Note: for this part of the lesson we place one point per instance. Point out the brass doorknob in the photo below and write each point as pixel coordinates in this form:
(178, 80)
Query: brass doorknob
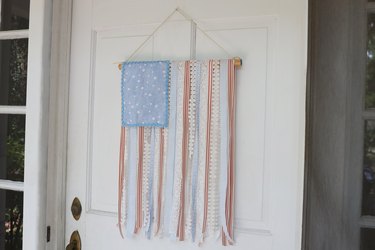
(75, 242)
(76, 208)
(72, 246)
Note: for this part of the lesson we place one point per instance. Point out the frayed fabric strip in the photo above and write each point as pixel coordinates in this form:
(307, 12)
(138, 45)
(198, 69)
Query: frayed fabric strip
(130, 227)
(150, 187)
(223, 144)
(171, 149)
(121, 181)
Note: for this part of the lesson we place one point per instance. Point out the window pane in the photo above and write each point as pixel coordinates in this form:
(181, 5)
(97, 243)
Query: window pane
(367, 239)
(14, 14)
(13, 71)
(370, 74)
(12, 146)
(11, 219)
(368, 189)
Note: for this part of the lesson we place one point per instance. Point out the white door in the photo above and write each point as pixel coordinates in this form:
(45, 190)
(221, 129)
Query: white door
(270, 37)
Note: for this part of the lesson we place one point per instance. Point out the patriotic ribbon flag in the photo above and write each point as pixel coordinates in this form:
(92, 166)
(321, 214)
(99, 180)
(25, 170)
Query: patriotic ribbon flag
(177, 149)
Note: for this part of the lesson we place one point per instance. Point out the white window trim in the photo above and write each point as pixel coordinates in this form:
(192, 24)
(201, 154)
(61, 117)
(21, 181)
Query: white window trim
(14, 110)
(12, 185)
(46, 123)
(34, 230)
(36, 111)
(14, 34)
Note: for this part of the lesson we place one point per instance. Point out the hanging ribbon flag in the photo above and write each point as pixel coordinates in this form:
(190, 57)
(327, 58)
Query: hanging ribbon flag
(177, 149)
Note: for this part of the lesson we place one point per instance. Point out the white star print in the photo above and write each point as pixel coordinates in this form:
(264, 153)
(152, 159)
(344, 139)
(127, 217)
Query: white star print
(145, 92)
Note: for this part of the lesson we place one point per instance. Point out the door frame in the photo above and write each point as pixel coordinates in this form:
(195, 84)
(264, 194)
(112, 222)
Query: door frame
(61, 13)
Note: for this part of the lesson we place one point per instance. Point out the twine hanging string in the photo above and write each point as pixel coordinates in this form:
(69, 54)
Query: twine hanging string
(135, 212)
(187, 17)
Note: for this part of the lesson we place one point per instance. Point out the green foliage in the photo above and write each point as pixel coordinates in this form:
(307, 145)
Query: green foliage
(14, 221)
(18, 72)
(15, 147)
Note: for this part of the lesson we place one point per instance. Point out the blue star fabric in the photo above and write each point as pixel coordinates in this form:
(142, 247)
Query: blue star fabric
(144, 93)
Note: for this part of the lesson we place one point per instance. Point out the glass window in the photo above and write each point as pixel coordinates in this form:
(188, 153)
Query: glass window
(14, 14)
(367, 239)
(11, 219)
(12, 147)
(13, 71)
(370, 72)
(368, 190)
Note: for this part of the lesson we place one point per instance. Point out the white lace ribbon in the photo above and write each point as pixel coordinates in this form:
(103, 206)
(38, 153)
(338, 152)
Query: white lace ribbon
(156, 172)
(203, 99)
(150, 185)
(194, 175)
(171, 148)
(213, 184)
(146, 176)
(178, 153)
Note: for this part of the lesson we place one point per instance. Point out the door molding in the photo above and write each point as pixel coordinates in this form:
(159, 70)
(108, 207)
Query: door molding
(267, 24)
(58, 122)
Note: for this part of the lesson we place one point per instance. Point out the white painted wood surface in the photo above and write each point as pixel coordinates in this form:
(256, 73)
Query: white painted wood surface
(11, 185)
(58, 120)
(269, 35)
(17, 110)
(35, 185)
(14, 34)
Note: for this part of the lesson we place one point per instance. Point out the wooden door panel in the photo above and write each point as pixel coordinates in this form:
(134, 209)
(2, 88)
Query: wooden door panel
(94, 120)
(103, 134)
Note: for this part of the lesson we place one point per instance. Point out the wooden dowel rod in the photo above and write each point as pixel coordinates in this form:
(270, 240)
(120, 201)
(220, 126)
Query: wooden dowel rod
(237, 62)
